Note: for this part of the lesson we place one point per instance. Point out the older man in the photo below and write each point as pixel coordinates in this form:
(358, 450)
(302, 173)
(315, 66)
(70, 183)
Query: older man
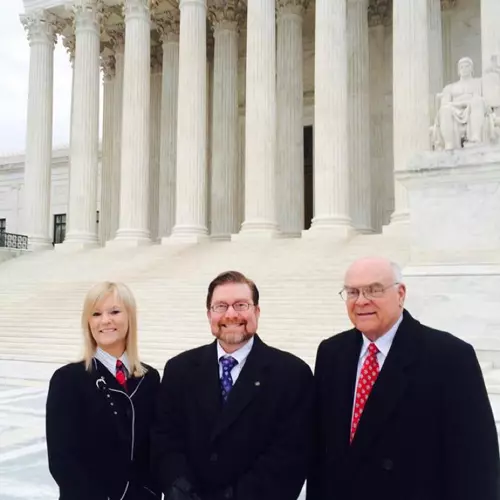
(402, 409)
(234, 416)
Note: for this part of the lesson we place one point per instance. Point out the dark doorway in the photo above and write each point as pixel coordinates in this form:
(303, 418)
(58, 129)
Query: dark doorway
(59, 228)
(308, 176)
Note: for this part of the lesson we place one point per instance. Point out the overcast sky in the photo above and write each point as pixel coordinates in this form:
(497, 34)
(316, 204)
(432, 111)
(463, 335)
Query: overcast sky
(14, 70)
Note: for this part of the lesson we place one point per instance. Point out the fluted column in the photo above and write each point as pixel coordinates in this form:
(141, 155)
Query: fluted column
(435, 53)
(191, 196)
(331, 163)
(410, 91)
(490, 32)
(379, 182)
(168, 28)
(134, 182)
(224, 196)
(118, 41)
(41, 31)
(290, 131)
(81, 225)
(108, 137)
(359, 116)
(449, 66)
(260, 141)
(154, 156)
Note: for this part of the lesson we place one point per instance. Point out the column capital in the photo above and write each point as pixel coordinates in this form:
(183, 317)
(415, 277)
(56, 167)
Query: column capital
(168, 25)
(378, 11)
(297, 7)
(41, 26)
(448, 4)
(226, 14)
(88, 15)
(137, 8)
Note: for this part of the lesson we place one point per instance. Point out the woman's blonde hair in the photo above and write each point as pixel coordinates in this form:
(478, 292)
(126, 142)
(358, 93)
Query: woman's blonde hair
(95, 295)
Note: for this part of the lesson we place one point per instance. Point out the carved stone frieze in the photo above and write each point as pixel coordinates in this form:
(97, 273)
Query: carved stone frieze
(229, 13)
(136, 8)
(41, 26)
(69, 43)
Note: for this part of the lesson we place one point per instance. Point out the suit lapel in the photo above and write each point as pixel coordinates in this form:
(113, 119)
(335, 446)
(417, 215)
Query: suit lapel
(206, 383)
(343, 379)
(247, 386)
(390, 386)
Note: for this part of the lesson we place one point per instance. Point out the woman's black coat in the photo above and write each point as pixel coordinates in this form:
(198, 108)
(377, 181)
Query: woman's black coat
(98, 435)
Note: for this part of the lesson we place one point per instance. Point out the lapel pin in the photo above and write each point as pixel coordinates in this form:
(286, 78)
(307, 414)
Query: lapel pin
(257, 383)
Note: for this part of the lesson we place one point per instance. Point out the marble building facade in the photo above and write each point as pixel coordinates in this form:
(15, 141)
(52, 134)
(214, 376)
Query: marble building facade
(234, 118)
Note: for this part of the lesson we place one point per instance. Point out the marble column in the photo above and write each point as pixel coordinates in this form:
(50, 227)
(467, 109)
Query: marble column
(191, 195)
(331, 145)
(81, 223)
(134, 181)
(260, 140)
(359, 116)
(155, 127)
(435, 54)
(290, 119)
(108, 137)
(410, 91)
(449, 66)
(118, 41)
(168, 28)
(490, 32)
(224, 196)
(377, 97)
(41, 32)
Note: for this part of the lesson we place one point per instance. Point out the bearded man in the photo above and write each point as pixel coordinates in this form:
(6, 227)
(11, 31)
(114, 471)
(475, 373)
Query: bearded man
(234, 417)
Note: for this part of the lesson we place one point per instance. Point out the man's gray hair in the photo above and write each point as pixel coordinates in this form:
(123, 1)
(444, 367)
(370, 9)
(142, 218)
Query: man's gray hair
(396, 271)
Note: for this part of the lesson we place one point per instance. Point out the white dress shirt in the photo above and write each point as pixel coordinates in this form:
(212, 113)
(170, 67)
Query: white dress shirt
(383, 344)
(239, 355)
(109, 361)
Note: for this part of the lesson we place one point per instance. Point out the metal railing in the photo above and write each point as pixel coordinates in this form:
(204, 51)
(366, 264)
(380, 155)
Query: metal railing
(17, 241)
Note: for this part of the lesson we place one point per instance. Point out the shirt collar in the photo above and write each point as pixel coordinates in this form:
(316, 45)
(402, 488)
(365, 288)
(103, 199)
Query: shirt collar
(109, 361)
(239, 355)
(384, 342)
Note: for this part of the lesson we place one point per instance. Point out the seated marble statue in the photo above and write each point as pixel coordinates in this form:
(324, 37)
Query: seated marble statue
(469, 109)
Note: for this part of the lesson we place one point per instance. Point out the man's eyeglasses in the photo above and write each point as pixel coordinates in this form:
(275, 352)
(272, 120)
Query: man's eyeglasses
(375, 291)
(237, 306)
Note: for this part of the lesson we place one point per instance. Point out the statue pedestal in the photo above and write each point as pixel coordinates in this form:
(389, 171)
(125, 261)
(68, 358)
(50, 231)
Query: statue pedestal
(453, 276)
(454, 201)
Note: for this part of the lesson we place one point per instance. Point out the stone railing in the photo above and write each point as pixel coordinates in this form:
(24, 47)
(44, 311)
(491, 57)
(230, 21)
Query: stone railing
(15, 241)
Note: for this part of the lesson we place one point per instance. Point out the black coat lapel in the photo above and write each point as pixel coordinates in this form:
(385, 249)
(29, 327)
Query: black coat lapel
(206, 383)
(343, 378)
(390, 386)
(247, 386)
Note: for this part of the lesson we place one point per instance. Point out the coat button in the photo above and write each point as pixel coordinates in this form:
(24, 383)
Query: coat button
(387, 464)
(213, 457)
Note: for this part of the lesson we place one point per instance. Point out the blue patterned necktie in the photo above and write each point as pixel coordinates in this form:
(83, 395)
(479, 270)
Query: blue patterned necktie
(226, 381)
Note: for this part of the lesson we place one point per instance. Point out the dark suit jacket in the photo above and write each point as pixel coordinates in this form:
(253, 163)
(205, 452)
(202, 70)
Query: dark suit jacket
(256, 446)
(91, 429)
(427, 431)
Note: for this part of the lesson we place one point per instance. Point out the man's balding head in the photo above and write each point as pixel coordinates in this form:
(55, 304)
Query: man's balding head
(375, 295)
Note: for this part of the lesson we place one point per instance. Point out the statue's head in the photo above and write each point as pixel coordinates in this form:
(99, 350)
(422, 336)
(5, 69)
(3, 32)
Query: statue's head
(465, 67)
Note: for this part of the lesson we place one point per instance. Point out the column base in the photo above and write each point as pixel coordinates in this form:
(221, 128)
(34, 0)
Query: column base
(130, 238)
(256, 230)
(330, 227)
(186, 235)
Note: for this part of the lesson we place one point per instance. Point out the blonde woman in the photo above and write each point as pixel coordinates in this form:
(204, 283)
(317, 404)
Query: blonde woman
(99, 410)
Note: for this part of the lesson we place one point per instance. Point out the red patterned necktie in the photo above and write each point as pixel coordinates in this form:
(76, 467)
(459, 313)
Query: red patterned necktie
(121, 376)
(368, 375)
